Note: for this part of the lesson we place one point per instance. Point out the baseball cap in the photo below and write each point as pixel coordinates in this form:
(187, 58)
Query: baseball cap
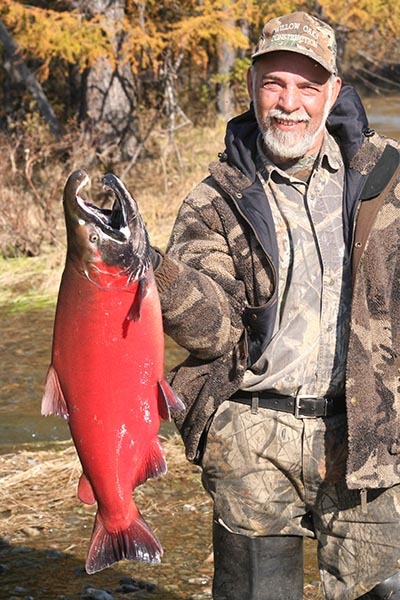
(301, 33)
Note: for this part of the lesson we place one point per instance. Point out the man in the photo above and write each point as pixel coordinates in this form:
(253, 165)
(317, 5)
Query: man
(282, 279)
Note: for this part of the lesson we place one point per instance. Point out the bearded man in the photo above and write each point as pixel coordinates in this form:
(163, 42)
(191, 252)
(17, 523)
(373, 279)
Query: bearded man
(281, 278)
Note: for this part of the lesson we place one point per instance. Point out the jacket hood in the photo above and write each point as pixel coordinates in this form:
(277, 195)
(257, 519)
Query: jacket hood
(347, 122)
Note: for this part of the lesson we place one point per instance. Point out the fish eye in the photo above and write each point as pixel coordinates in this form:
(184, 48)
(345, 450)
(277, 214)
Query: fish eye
(93, 237)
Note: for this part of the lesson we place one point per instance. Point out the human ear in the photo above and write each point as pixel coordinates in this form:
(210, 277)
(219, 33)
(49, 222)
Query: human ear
(336, 86)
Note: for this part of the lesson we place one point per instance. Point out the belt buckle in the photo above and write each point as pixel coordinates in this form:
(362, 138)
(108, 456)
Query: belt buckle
(298, 408)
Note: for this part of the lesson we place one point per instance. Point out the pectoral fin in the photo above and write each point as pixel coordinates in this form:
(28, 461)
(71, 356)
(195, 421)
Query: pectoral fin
(134, 311)
(167, 400)
(53, 401)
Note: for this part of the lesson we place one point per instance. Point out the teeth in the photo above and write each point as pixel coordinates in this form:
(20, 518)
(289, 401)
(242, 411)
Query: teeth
(283, 122)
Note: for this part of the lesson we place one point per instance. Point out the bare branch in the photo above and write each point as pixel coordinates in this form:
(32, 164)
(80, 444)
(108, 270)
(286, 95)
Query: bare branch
(18, 70)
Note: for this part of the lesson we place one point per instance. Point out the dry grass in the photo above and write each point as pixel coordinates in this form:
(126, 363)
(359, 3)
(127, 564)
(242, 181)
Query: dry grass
(40, 514)
(38, 498)
(35, 169)
(49, 477)
(35, 482)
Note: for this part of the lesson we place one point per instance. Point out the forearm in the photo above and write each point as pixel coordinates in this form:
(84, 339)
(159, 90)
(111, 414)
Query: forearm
(197, 313)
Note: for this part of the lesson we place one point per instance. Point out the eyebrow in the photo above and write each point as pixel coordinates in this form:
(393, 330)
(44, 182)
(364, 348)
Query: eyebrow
(278, 79)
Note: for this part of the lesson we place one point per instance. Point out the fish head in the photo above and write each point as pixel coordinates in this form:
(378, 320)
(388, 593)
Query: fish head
(110, 246)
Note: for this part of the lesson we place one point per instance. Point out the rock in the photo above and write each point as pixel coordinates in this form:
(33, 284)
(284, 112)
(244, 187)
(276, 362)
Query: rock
(127, 588)
(146, 585)
(54, 554)
(200, 580)
(189, 508)
(20, 550)
(127, 579)
(95, 594)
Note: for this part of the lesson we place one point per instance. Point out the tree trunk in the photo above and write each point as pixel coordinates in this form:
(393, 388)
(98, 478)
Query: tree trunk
(18, 71)
(110, 114)
(226, 60)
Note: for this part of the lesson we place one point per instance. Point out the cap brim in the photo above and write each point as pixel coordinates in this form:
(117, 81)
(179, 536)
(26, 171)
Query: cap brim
(295, 51)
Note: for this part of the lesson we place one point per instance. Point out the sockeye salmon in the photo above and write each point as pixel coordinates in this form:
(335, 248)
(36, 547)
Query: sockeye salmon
(106, 374)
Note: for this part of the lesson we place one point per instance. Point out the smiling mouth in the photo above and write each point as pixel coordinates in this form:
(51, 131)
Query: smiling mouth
(287, 122)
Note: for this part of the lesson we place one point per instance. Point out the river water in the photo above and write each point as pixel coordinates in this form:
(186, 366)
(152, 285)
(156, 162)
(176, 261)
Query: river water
(25, 348)
(25, 351)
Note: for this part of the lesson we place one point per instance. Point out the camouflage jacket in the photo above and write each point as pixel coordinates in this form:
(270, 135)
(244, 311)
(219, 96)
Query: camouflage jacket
(217, 284)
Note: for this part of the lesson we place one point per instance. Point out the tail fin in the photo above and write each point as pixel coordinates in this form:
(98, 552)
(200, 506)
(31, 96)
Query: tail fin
(137, 542)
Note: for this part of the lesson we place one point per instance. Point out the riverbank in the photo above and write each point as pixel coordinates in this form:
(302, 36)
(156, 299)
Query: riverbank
(45, 530)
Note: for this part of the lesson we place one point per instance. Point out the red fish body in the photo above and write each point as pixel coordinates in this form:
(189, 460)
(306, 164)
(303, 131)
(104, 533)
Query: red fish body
(106, 377)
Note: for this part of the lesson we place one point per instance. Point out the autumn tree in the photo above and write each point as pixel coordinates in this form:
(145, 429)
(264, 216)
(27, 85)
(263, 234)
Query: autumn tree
(123, 65)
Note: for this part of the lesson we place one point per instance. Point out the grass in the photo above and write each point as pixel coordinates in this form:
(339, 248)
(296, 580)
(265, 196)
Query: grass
(29, 283)
(159, 182)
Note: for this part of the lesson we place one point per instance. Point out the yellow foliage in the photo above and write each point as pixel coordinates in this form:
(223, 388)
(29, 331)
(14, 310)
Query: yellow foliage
(47, 34)
(151, 29)
(371, 26)
(364, 15)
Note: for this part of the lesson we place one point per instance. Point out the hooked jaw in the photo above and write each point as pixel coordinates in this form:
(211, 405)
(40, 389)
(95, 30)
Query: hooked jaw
(119, 234)
(124, 198)
(114, 222)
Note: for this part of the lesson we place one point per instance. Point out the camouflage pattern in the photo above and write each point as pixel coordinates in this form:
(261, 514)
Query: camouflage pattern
(301, 33)
(214, 271)
(309, 347)
(373, 371)
(272, 474)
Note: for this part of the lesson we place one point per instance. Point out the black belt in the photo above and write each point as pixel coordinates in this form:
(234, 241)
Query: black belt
(302, 406)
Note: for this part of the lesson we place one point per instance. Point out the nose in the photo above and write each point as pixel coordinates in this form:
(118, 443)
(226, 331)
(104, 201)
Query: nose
(289, 99)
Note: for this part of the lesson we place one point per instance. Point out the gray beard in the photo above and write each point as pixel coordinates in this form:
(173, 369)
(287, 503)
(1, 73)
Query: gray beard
(286, 145)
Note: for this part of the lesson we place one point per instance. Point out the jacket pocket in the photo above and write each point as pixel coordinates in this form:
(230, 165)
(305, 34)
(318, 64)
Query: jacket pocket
(259, 323)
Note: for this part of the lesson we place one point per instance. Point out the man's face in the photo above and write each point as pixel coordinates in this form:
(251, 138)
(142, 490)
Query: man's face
(292, 98)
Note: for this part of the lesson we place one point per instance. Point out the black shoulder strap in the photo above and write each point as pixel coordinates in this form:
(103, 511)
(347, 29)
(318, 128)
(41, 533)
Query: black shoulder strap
(381, 174)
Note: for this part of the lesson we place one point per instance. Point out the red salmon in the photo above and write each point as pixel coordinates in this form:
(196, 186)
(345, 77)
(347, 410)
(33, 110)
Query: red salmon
(106, 374)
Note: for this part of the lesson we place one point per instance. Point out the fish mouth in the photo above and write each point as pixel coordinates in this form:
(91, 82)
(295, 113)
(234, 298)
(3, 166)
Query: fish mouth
(111, 246)
(114, 222)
